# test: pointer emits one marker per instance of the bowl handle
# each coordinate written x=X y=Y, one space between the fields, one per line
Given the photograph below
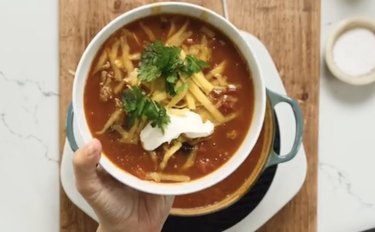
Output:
x=275 y=158
x=69 y=128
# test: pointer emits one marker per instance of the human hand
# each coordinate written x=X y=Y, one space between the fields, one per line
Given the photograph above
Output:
x=118 y=207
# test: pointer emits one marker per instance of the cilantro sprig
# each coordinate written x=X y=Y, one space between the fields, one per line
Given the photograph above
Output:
x=137 y=105
x=193 y=65
x=160 y=61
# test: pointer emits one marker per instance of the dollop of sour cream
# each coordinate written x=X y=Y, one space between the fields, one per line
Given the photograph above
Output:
x=181 y=122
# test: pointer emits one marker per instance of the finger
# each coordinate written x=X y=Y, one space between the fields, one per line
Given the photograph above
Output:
x=84 y=162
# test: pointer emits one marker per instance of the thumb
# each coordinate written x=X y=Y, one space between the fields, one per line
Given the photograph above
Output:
x=84 y=163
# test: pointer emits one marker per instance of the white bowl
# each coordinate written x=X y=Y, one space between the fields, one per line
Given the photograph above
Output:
x=344 y=26
x=247 y=52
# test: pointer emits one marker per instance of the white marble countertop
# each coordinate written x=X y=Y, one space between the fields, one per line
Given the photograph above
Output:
x=29 y=195
x=346 y=189
x=29 y=198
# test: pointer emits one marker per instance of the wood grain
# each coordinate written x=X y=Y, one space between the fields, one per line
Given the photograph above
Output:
x=289 y=29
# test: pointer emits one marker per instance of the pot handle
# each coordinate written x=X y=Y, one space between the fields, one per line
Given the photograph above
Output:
x=275 y=158
x=69 y=128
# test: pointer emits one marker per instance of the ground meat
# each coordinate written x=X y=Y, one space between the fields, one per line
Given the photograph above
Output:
x=105 y=93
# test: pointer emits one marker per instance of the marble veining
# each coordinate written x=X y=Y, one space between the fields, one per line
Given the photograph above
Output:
x=29 y=162
x=346 y=190
x=28 y=137
x=31 y=109
x=339 y=179
x=25 y=82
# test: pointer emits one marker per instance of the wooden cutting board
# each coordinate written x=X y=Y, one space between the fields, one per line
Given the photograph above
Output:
x=290 y=29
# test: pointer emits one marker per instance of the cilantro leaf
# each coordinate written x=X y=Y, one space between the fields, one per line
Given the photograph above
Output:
x=158 y=60
x=182 y=87
x=130 y=101
x=148 y=72
x=157 y=114
x=193 y=65
x=137 y=105
x=170 y=82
